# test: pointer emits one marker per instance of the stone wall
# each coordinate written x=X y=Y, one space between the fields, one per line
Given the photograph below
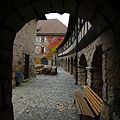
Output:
x=103 y=66
x=109 y=59
x=24 y=43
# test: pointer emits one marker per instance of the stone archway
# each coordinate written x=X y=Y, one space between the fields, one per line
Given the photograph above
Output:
x=82 y=70
x=96 y=78
x=14 y=15
x=44 y=61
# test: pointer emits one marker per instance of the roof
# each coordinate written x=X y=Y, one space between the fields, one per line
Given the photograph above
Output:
x=51 y=26
x=69 y=31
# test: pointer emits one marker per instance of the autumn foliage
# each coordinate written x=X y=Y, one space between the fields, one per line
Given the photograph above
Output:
x=54 y=42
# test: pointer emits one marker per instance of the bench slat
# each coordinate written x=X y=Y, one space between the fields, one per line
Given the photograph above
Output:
x=91 y=96
x=82 y=104
x=79 y=102
x=94 y=93
x=93 y=104
x=94 y=97
x=87 y=99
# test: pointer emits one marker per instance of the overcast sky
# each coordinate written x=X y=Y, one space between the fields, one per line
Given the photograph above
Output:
x=64 y=18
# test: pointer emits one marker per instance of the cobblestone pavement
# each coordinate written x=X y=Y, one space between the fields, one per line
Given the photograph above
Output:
x=46 y=98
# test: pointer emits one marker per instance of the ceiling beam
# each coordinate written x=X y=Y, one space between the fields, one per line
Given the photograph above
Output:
x=77 y=7
x=51 y=6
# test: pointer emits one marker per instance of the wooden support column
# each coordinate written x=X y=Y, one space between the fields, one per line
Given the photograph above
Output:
x=76 y=56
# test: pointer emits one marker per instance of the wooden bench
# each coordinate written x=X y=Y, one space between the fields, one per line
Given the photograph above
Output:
x=54 y=70
x=39 y=69
x=88 y=103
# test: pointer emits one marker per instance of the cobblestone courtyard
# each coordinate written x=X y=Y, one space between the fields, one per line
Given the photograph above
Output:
x=46 y=98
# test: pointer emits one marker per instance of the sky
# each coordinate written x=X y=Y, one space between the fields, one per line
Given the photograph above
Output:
x=64 y=18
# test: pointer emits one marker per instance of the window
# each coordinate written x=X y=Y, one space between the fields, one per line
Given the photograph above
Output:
x=45 y=39
x=36 y=39
x=42 y=49
x=37 y=49
x=42 y=39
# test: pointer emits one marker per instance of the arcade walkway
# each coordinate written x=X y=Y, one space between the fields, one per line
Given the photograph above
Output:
x=46 y=98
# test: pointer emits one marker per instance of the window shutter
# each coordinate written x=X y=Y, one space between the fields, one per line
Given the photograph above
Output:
x=40 y=39
x=44 y=49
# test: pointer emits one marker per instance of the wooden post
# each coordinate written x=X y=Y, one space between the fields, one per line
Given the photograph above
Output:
x=76 y=56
